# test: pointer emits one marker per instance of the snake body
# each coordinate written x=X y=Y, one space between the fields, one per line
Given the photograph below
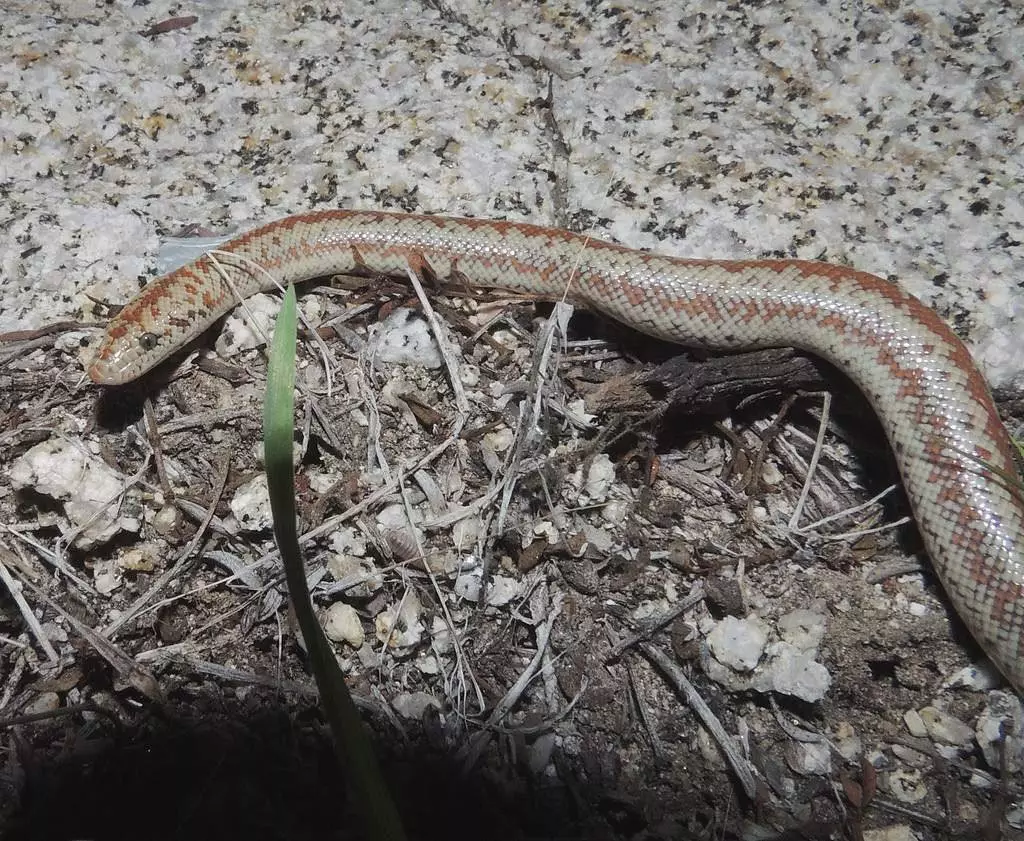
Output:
x=953 y=453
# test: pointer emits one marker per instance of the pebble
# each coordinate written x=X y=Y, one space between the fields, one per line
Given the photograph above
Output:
x=342 y=623
x=999 y=731
x=250 y=505
x=943 y=727
x=91 y=493
x=405 y=338
x=739 y=643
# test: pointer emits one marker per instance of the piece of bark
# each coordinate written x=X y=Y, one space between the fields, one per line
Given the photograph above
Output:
x=698 y=385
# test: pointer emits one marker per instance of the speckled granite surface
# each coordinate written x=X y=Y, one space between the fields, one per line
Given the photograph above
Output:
x=889 y=136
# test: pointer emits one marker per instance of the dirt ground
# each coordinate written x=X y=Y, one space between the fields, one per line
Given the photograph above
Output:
x=506 y=564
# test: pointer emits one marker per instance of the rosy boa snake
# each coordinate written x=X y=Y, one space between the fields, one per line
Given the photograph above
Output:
x=951 y=448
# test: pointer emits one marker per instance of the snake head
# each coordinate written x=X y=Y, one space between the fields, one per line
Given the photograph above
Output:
x=163 y=317
x=126 y=352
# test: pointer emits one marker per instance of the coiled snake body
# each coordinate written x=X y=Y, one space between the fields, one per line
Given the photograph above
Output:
x=951 y=448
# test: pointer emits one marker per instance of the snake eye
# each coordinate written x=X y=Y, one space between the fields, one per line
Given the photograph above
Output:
x=148 y=341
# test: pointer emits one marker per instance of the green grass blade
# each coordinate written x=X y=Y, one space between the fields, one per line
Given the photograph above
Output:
x=352 y=743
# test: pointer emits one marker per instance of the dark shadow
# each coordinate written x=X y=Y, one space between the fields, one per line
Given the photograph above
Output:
x=222 y=768
x=242 y=773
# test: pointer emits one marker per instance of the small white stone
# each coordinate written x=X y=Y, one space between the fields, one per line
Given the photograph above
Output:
x=739 y=643
x=467 y=584
x=599 y=539
x=809 y=758
x=915 y=724
x=770 y=474
x=404 y=338
x=319 y=481
x=499 y=440
x=440 y=636
x=428 y=665
x=600 y=476
x=909 y=756
x=1000 y=731
x=980 y=677
x=577 y=412
x=900 y=832
x=400 y=626
x=347 y=541
x=361 y=577
x=138 y=559
x=905 y=784
x=727 y=517
x=943 y=727
x=251 y=505
x=796 y=673
x=803 y=629
x=649 y=608
x=57 y=633
x=90 y=490
x=342 y=624
x=413 y=704
x=106 y=576
x=615 y=512
x=359 y=417
x=847 y=742
x=1015 y=814
x=369 y=658
x=545 y=529
x=166 y=520
x=466 y=532
x=502 y=590
x=506 y=338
